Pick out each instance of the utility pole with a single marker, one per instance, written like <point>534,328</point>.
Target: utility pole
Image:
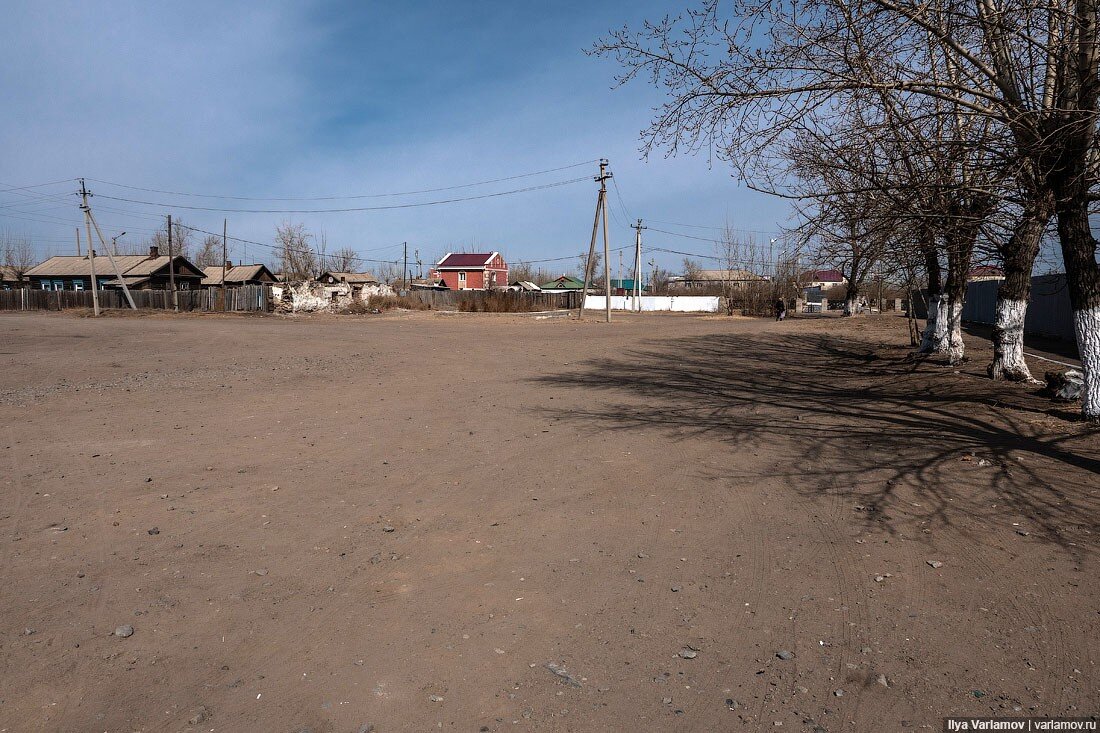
<point>601,210</point>
<point>225,265</point>
<point>91,249</point>
<point>114,242</point>
<point>78,253</point>
<point>637,290</point>
<point>653,281</point>
<point>405,266</point>
<point>172,268</point>
<point>419,265</point>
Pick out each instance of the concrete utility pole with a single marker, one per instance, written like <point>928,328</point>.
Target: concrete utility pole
<point>114,242</point>
<point>172,268</point>
<point>636,291</point>
<point>110,258</point>
<point>601,210</point>
<point>653,282</point>
<point>78,252</point>
<point>225,265</point>
<point>91,249</point>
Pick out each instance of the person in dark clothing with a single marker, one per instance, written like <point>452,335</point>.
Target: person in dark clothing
<point>780,310</point>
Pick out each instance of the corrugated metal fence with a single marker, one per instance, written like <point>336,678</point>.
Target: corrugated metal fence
<point>1048,313</point>
<point>249,298</point>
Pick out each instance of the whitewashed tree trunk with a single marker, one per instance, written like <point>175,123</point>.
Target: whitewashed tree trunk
<point>1086,323</point>
<point>953,341</point>
<point>934,340</point>
<point>1008,328</point>
<point>851,307</point>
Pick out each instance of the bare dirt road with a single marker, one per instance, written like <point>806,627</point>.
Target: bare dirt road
<point>492,523</point>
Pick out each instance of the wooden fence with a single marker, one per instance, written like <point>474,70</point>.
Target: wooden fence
<point>248,298</point>
<point>450,299</point>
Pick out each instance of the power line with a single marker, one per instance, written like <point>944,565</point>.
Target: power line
<point>349,209</point>
<point>354,196</point>
<point>36,185</point>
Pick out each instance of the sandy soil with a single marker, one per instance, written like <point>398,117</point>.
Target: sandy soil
<point>470,523</point>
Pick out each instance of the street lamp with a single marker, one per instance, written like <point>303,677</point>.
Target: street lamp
<point>114,242</point>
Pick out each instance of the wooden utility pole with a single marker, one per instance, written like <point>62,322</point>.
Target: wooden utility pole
<point>636,291</point>
<point>172,268</point>
<point>601,210</point>
<point>225,265</point>
<point>405,264</point>
<point>91,249</point>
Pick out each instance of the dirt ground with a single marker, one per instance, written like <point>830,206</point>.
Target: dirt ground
<point>496,523</point>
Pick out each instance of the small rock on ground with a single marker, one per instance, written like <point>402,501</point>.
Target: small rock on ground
<point>784,654</point>
<point>124,631</point>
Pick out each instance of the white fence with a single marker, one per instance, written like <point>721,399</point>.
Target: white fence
<point>677,303</point>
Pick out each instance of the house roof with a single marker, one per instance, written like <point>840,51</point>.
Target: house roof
<point>564,282</point>
<point>234,274</point>
<point>129,265</point>
<point>525,285</point>
<point>352,278</point>
<point>465,259</point>
<point>986,271</point>
<point>8,274</point>
<point>734,274</point>
<point>824,276</point>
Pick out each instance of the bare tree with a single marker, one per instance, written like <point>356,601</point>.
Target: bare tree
<point>18,255</point>
<point>521,271</point>
<point>344,259</point>
<point>209,253</point>
<point>692,269</point>
<point>296,257</point>
<point>739,81</point>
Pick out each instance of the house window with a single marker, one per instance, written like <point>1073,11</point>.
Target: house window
<point>45,284</point>
<point>462,279</point>
<point>184,285</point>
<point>58,284</point>
<point>78,285</point>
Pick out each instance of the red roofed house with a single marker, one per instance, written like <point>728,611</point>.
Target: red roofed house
<point>823,279</point>
<point>471,271</point>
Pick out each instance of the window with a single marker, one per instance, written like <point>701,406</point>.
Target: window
<point>58,284</point>
<point>78,285</point>
<point>45,284</point>
<point>184,285</point>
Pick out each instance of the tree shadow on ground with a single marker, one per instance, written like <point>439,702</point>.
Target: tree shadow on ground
<point>864,420</point>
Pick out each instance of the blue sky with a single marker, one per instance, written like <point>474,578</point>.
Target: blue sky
<point>316,99</point>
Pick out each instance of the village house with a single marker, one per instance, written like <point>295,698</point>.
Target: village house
<point>564,284</point>
<point>704,279</point>
<point>471,271</point>
<point>981,273</point>
<point>10,278</point>
<point>237,275</point>
<point>823,279</point>
<point>139,272</point>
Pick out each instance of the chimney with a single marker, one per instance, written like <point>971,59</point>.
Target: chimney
<point>154,251</point>
<point>228,264</point>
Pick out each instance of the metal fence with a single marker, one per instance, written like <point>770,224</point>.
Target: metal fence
<point>247,298</point>
<point>1048,312</point>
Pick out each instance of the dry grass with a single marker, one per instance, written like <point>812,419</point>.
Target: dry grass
<point>387,302</point>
